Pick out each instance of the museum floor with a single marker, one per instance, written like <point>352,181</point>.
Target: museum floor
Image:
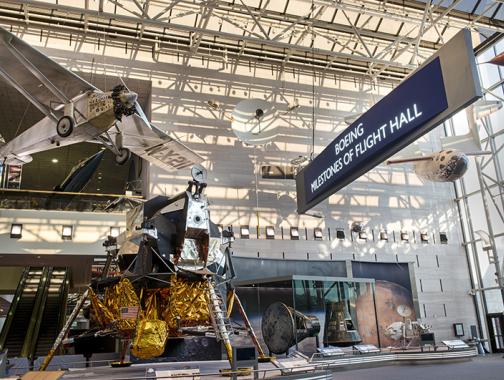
<point>490,367</point>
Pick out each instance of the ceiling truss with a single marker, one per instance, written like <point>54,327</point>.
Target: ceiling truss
<point>381,40</point>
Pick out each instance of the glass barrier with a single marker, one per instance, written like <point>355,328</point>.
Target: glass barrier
<point>54,200</point>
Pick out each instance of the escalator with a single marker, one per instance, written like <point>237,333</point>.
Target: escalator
<point>37,312</point>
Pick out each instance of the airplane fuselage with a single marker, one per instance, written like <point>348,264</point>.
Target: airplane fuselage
<point>94,115</point>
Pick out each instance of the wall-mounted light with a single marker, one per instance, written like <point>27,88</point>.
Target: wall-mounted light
<point>67,233</point>
<point>443,238</point>
<point>115,231</point>
<point>424,237</point>
<point>340,234</point>
<point>294,233</point>
<point>404,236</point>
<point>384,235</point>
<point>270,232</point>
<point>244,232</point>
<point>16,231</point>
<point>318,234</point>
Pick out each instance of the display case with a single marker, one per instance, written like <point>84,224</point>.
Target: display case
<point>343,307</point>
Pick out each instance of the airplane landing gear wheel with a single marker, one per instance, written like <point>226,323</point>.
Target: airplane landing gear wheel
<point>123,156</point>
<point>64,127</point>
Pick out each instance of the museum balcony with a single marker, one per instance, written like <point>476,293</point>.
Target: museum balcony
<point>22,199</point>
<point>48,228</point>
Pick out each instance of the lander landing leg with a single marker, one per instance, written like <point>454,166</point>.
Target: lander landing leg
<point>64,330</point>
<point>219,319</point>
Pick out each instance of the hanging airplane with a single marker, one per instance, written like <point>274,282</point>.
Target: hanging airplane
<point>76,111</point>
<point>81,174</point>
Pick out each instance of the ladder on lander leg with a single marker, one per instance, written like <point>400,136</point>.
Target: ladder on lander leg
<point>218,317</point>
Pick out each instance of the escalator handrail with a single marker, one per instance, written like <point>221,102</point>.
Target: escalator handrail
<point>62,300</point>
<point>13,307</point>
<point>37,313</point>
<point>65,286</point>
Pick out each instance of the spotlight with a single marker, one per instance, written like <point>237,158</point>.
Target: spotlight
<point>16,231</point>
<point>54,160</point>
<point>67,233</point>
<point>115,231</point>
<point>294,233</point>
<point>317,233</point>
<point>270,232</point>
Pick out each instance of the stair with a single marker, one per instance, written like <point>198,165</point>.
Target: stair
<point>16,334</point>
<point>55,306</point>
<point>36,313</point>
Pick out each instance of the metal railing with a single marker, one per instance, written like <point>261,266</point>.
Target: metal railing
<point>66,201</point>
<point>310,367</point>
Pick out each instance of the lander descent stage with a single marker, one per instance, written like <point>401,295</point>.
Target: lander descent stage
<point>172,279</point>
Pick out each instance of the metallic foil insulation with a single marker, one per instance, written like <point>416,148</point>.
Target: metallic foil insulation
<point>151,333</point>
<point>187,304</point>
<point>118,296</point>
<point>99,312</point>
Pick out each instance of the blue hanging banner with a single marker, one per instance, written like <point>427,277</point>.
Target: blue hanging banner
<point>376,134</point>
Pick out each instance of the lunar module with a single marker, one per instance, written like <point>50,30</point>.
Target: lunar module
<point>171,281</point>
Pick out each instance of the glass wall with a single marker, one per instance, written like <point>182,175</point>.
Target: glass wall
<point>343,308</point>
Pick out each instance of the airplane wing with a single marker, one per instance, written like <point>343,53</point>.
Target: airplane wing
<point>154,145</point>
<point>38,78</point>
<point>406,160</point>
